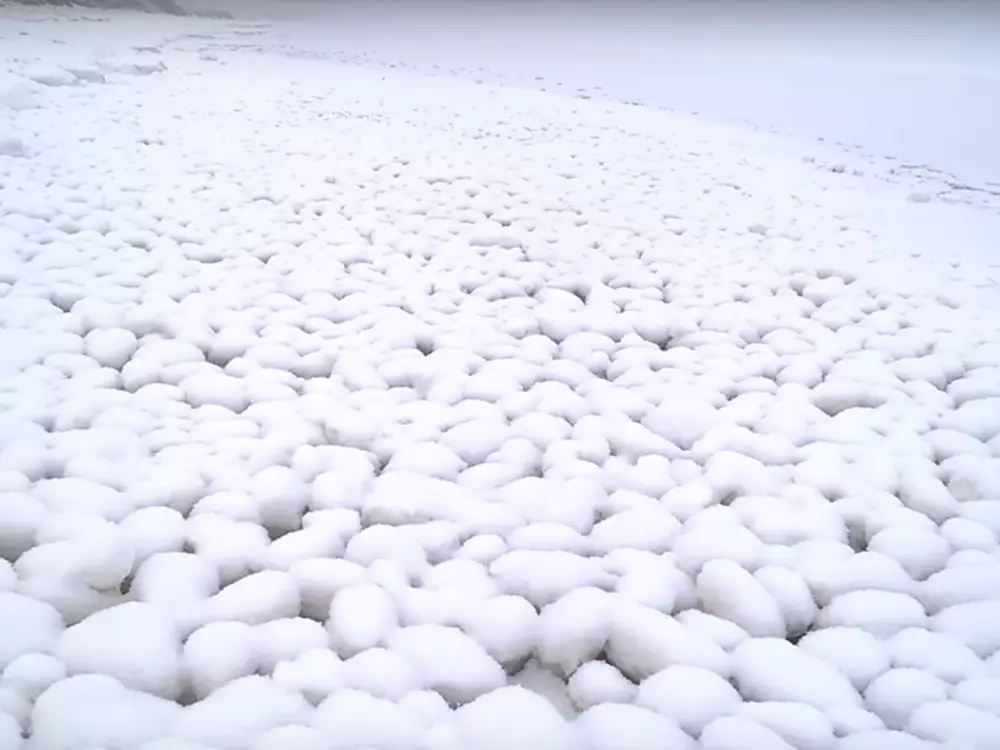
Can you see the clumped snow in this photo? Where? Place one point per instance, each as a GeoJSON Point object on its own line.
{"type": "Point", "coordinates": [345, 409]}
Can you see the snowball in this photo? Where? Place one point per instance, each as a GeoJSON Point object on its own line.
{"type": "Point", "coordinates": [345, 520]}
{"type": "Point", "coordinates": [426, 707]}
{"type": "Point", "coordinates": [657, 585]}
{"type": "Point", "coordinates": [286, 638]}
{"type": "Point", "coordinates": [110, 347]}
{"type": "Point", "coordinates": [430, 459]}
{"type": "Point", "coordinates": [132, 642]}
{"type": "Point", "coordinates": [449, 661]}
{"type": "Point", "coordinates": [154, 530]}
{"type": "Point", "coordinates": [856, 653]}
{"type": "Point", "coordinates": [260, 597]}
{"type": "Point", "coordinates": [218, 653]}
{"type": "Point", "coordinates": [215, 389]}
{"type": "Point", "coordinates": [597, 682]}
{"type": "Point", "coordinates": [696, 546]}
{"type": "Point", "coordinates": [282, 497]}
{"type": "Point", "coordinates": [739, 733]}
{"type": "Point", "coordinates": [74, 713]}
{"type": "Point", "coordinates": [882, 613]}
{"type": "Point", "coordinates": [573, 630]}
{"type": "Point", "coordinates": [683, 423]}
{"type": "Point", "coordinates": [829, 575]}
{"type": "Point", "coordinates": [74, 601]}
{"type": "Point", "coordinates": [692, 696]}
{"type": "Point", "coordinates": [726, 634]}
{"type": "Point", "coordinates": [351, 719]}
{"type": "Point", "coordinates": [464, 576]}
{"type": "Point", "coordinates": [76, 495]}
{"type": "Point", "coordinates": [20, 517]}
{"type": "Point", "coordinates": [983, 694]}
{"type": "Point", "coordinates": [769, 669]}
{"type": "Point", "coordinates": [949, 721]}
{"type": "Point", "coordinates": [728, 591]}
{"type": "Point", "coordinates": [920, 552]}
{"type": "Point", "coordinates": [235, 548]}
{"type": "Point", "coordinates": [317, 541]}
{"type": "Point", "coordinates": [343, 487]}
{"type": "Point", "coordinates": [650, 529]}
{"type": "Point", "coordinates": [973, 623]}
{"type": "Point", "coordinates": [611, 726]}
{"type": "Point", "coordinates": [959, 585]}
{"type": "Point", "coordinates": [962, 533]}
{"type": "Point", "coordinates": [800, 725]}
{"type": "Point", "coordinates": [643, 642]}
{"type": "Point", "coordinates": [381, 673]}
{"type": "Point", "coordinates": [101, 559]}
{"type": "Point", "coordinates": [687, 500]}
{"type": "Point", "coordinates": [381, 542]}
{"type": "Point", "coordinates": [506, 626]}
{"type": "Point", "coordinates": [542, 577]}
{"type": "Point", "coordinates": [237, 713]}
{"type": "Point", "coordinates": [512, 717]}
{"type": "Point", "coordinates": [32, 674]}
{"type": "Point", "coordinates": [538, 679]}
{"type": "Point", "coordinates": [537, 500]}
{"type": "Point", "coordinates": [175, 579]}
{"type": "Point", "coordinates": [972, 478]}
{"type": "Point", "coordinates": [234, 506]}
{"type": "Point", "coordinates": [320, 579]}
{"type": "Point", "coordinates": [27, 626]}
{"type": "Point", "coordinates": [925, 493]}
{"type": "Point", "coordinates": [848, 720]}
{"type": "Point", "coordinates": [361, 617]}
{"type": "Point", "coordinates": [895, 694]}
{"type": "Point", "coordinates": [792, 595]}
{"type": "Point", "coordinates": [940, 654]}
{"type": "Point", "coordinates": [483, 548]}
{"type": "Point", "coordinates": [315, 674]}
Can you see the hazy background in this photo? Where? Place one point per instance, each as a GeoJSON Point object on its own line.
{"type": "Point", "coordinates": [917, 80]}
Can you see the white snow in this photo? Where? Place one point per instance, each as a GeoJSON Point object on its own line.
{"type": "Point", "coordinates": [352, 718]}
{"type": "Point", "coordinates": [798, 724]}
{"type": "Point", "coordinates": [596, 683]}
{"type": "Point", "coordinates": [449, 661]}
{"type": "Point", "coordinates": [737, 733]}
{"type": "Point", "coordinates": [131, 642]}
{"type": "Point", "coordinates": [730, 592]}
{"type": "Point", "coordinates": [691, 696]}
{"type": "Point", "coordinates": [399, 386]}
{"type": "Point", "coordinates": [770, 669]}
{"type": "Point", "coordinates": [858, 654]}
{"type": "Point", "coordinates": [896, 694]}
{"type": "Point", "coordinates": [611, 725]}
{"type": "Point", "coordinates": [218, 653]}
{"type": "Point", "coordinates": [574, 630]}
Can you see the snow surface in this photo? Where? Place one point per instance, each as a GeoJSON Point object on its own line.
{"type": "Point", "coordinates": [350, 408]}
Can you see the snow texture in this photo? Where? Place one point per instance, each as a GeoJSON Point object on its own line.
{"type": "Point", "coordinates": [354, 399]}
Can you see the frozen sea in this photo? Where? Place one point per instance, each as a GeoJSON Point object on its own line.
{"type": "Point", "coordinates": [500, 378]}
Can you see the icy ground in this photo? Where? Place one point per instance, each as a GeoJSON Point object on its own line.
{"type": "Point", "coordinates": [348, 409]}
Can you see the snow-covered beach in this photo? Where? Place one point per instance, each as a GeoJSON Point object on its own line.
{"type": "Point", "coordinates": [352, 402]}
